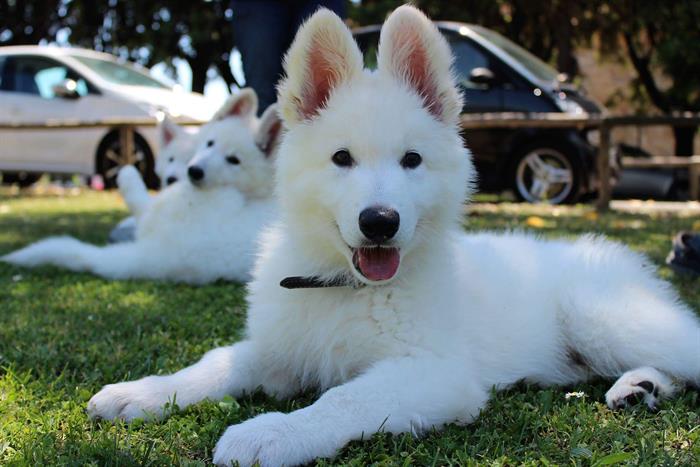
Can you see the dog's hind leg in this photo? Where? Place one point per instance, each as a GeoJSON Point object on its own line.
{"type": "Point", "coordinates": [224, 371]}
{"type": "Point", "coordinates": [133, 190]}
{"type": "Point", "coordinates": [66, 252]}
{"type": "Point", "coordinates": [623, 322]}
{"type": "Point", "coordinates": [118, 261]}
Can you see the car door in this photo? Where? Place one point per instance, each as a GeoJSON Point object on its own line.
{"type": "Point", "coordinates": [27, 96]}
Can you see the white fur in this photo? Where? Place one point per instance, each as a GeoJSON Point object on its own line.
{"type": "Point", "coordinates": [463, 314]}
{"type": "Point", "coordinates": [177, 147]}
{"type": "Point", "coordinates": [187, 233]}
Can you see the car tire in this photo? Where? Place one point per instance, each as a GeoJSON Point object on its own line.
{"type": "Point", "coordinates": [547, 172]}
{"type": "Point", "coordinates": [109, 160]}
{"type": "Point", "coordinates": [23, 179]}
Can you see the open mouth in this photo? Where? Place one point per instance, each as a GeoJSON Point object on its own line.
{"type": "Point", "coordinates": [376, 263]}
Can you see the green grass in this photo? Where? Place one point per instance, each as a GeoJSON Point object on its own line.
{"type": "Point", "coordinates": [63, 335]}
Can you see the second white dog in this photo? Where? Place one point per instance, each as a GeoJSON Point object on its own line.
{"type": "Point", "coordinates": [196, 231]}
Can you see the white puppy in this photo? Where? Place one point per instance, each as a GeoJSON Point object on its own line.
{"type": "Point", "coordinates": [403, 320]}
{"type": "Point", "coordinates": [196, 231]}
{"type": "Point", "coordinates": [177, 146]}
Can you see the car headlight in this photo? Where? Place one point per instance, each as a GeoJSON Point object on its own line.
{"type": "Point", "coordinates": [570, 107]}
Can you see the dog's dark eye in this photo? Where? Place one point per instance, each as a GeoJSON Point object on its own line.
{"type": "Point", "coordinates": [233, 160]}
{"type": "Point", "coordinates": [342, 158]}
{"type": "Point", "coordinates": [171, 159]}
{"type": "Point", "coordinates": [411, 160]}
{"type": "Point", "coordinates": [210, 143]}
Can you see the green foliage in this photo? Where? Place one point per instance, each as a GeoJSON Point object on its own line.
{"type": "Point", "coordinates": [63, 335]}
{"type": "Point", "coordinates": [147, 32]}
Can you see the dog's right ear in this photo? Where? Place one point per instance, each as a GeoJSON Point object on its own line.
{"type": "Point", "coordinates": [168, 131]}
{"type": "Point", "coordinates": [269, 132]}
{"type": "Point", "coordinates": [322, 57]}
{"type": "Point", "coordinates": [242, 105]}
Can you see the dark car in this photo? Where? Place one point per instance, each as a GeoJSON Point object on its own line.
{"type": "Point", "coordinates": [496, 75]}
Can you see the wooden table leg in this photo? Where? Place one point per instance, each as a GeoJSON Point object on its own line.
{"type": "Point", "coordinates": [126, 145]}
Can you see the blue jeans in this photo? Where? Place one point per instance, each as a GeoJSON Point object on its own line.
{"type": "Point", "coordinates": [263, 31]}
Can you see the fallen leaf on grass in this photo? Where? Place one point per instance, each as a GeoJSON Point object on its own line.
{"type": "Point", "coordinates": [591, 216]}
{"type": "Point", "coordinates": [635, 224]}
{"type": "Point", "coordinates": [535, 222]}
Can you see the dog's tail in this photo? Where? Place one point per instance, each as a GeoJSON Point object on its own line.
{"type": "Point", "coordinates": [118, 261]}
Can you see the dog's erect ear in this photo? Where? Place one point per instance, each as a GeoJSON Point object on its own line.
{"type": "Point", "coordinates": [269, 132]}
{"type": "Point", "coordinates": [412, 50]}
{"type": "Point", "coordinates": [322, 57]}
{"type": "Point", "coordinates": [243, 105]}
{"type": "Point", "coordinates": [168, 131]}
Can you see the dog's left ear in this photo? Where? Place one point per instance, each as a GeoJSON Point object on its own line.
{"type": "Point", "coordinates": [412, 51]}
{"type": "Point", "coordinates": [322, 57]}
{"type": "Point", "coordinates": [242, 105]}
{"type": "Point", "coordinates": [168, 131]}
{"type": "Point", "coordinates": [269, 132]}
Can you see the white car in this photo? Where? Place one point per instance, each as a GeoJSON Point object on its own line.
{"type": "Point", "coordinates": [45, 83]}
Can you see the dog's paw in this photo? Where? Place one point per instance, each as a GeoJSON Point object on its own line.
{"type": "Point", "coordinates": [646, 385]}
{"type": "Point", "coordinates": [128, 177]}
{"type": "Point", "coordinates": [129, 401]}
{"type": "Point", "coordinates": [270, 439]}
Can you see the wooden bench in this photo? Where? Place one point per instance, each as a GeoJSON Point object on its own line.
{"type": "Point", "coordinates": [692, 163]}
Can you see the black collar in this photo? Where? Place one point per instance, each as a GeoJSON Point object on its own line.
{"type": "Point", "coordinates": [314, 282]}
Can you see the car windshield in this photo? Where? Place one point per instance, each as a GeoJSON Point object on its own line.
{"type": "Point", "coordinates": [533, 64]}
{"type": "Point", "coordinates": [118, 73]}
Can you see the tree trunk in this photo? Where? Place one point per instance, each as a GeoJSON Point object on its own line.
{"type": "Point", "coordinates": [684, 136]}
{"type": "Point", "coordinates": [563, 34]}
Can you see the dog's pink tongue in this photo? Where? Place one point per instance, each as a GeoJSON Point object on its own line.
{"type": "Point", "coordinates": [378, 264]}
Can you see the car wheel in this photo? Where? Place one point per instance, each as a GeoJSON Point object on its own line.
{"type": "Point", "coordinates": [110, 160]}
{"type": "Point", "coordinates": [547, 174]}
{"type": "Point", "coordinates": [23, 179]}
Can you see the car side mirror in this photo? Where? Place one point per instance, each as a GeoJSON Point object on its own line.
{"type": "Point", "coordinates": [66, 89]}
{"type": "Point", "coordinates": [481, 75]}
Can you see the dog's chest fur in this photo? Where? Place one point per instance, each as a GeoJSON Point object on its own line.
{"type": "Point", "coordinates": [327, 336]}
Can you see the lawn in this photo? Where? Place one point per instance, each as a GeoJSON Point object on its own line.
{"type": "Point", "coordinates": [63, 335]}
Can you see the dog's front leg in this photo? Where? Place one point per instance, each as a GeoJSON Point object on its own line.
{"type": "Point", "coordinates": [133, 190]}
{"type": "Point", "coordinates": [226, 370]}
{"type": "Point", "coordinates": [401, 395]}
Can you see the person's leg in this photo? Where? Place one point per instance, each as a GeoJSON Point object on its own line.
{"type": "Point", "coordinates": [261, 31]}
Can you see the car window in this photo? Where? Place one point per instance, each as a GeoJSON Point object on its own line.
{"type": "Point", "coordinates": [468, 57]}
{"type": "Point", "coordinates": [119, 73]}
{"type": "Point", "coordinates": [536, 66]}
{"type": "Point", "coordinates": [37, 76]}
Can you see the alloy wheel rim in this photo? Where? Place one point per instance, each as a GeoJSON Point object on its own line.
{"type": "Point", "coordinates": [544, 176]}
{"type": "Point", "coordinates": [114, 160]}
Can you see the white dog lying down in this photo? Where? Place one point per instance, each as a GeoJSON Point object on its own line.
{"type": "Point", "coordinates": [196, 231]}
{"type": "Point", "coordinates": [177, 146]}
{"type": "Point", "coordinates": [402, 319]}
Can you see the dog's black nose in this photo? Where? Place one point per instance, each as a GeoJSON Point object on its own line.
{"type": "Point", "coordinates": [379, 223]}
{"type": "Point", "coordinates": [195, 173]}
{"type": "Point", "coordinates": [170, 180]}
